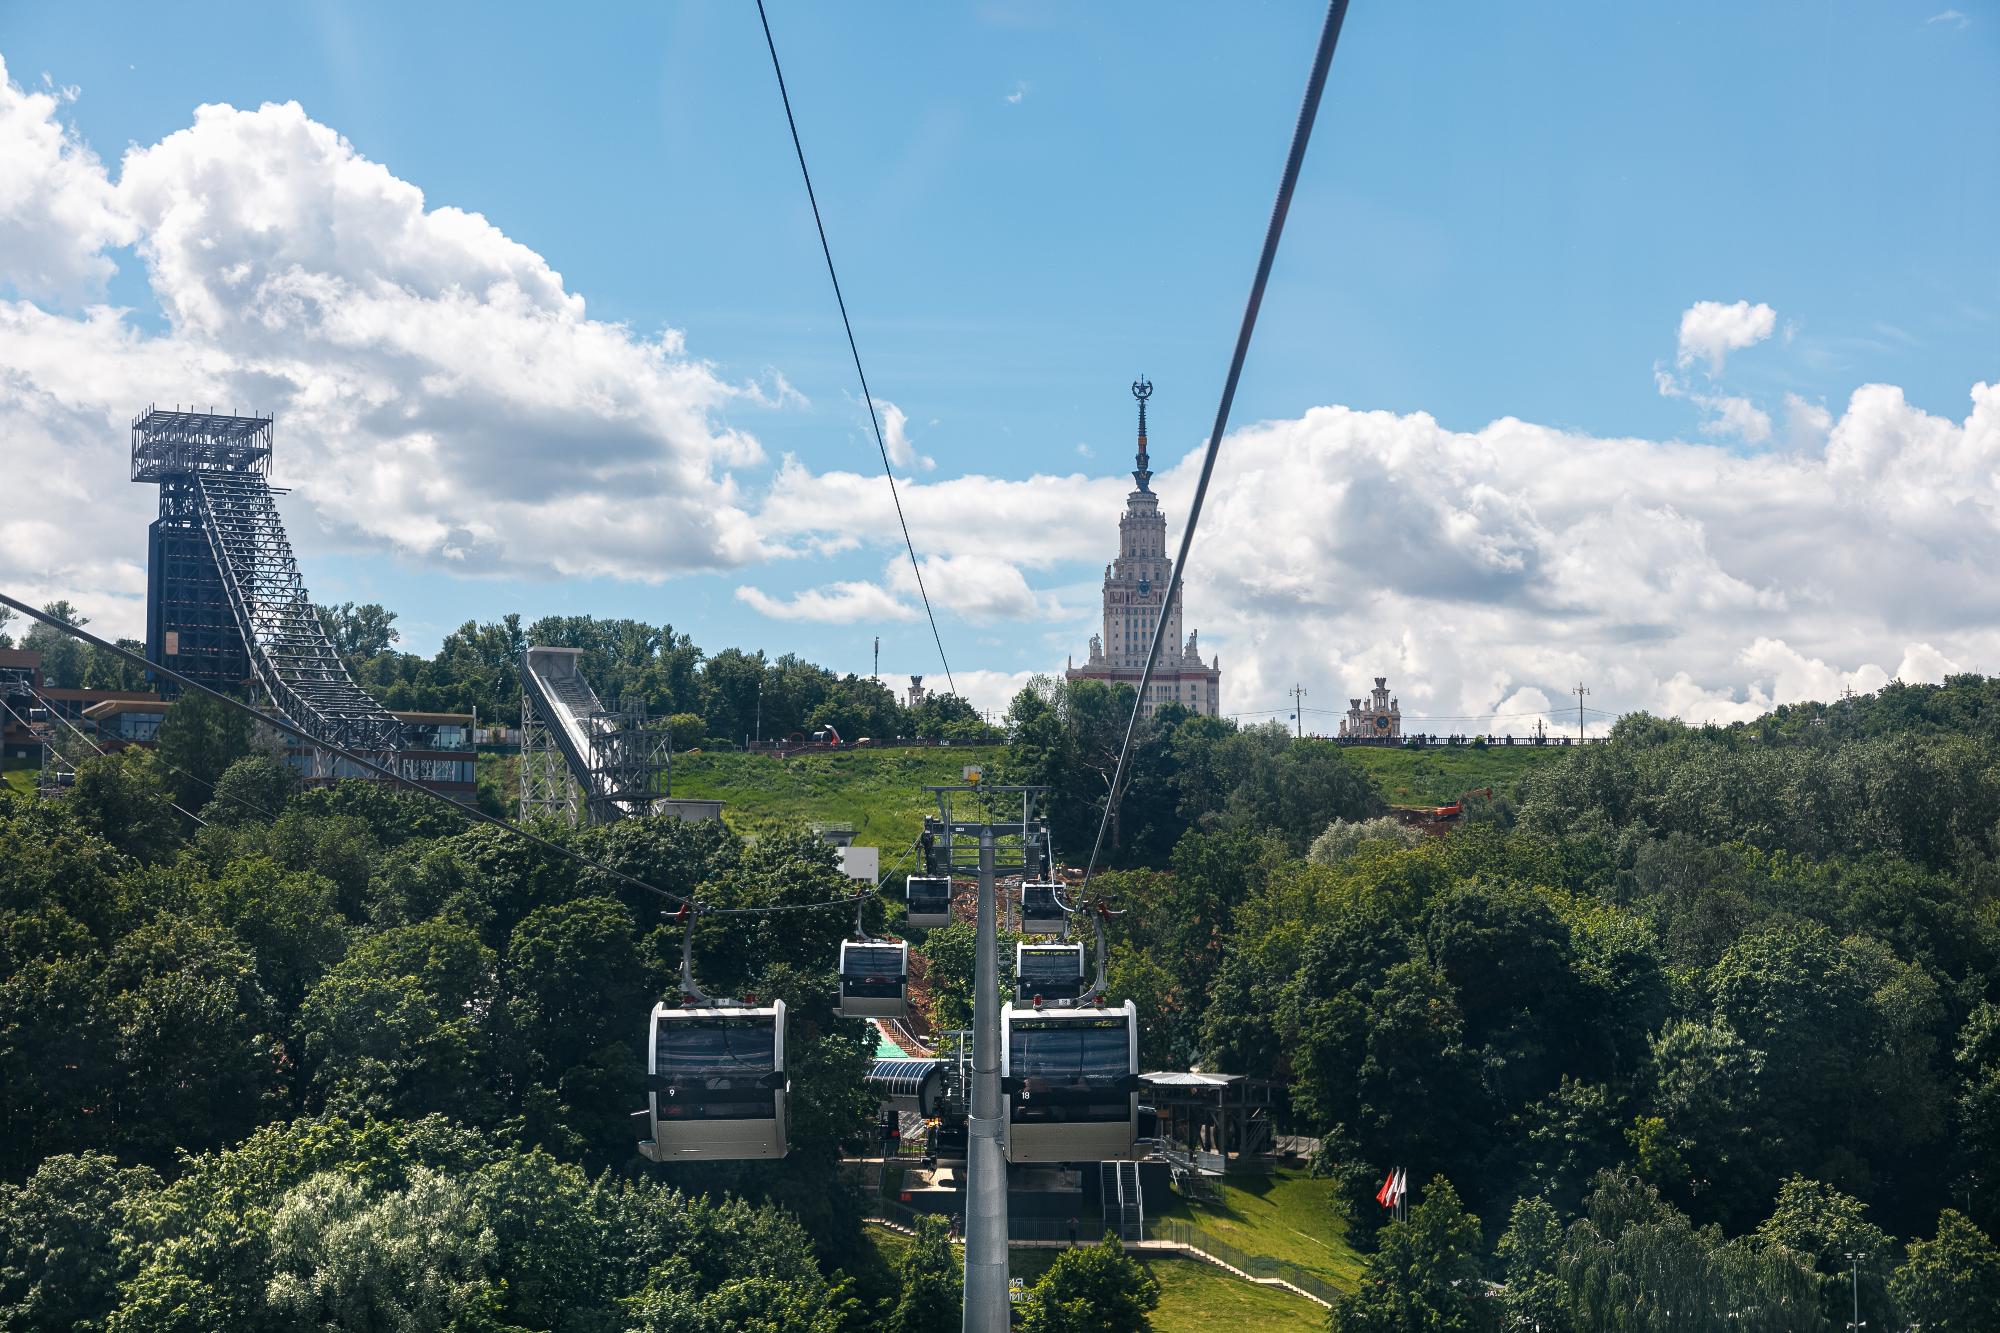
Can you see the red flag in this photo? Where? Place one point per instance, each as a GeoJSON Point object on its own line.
{"type": "Point", "coordinates": [1386, 1196]}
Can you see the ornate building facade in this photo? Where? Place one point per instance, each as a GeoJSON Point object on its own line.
{"type": "Point", "coordinates": [1376, 718]}
{"type": "Point", "coordinates": [1135, 589]}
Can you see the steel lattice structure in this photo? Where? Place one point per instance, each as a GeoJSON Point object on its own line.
{"type": "Point", "coordinates": [580, 760]}
{"type": "Point", "coordinates": [226, 601]}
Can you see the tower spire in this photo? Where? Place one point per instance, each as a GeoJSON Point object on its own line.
{"type": "Point", "coordinates": [1142, 389]}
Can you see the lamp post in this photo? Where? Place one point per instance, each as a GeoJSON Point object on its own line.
{"type": "Point", "coordinates": [1855, 1257]}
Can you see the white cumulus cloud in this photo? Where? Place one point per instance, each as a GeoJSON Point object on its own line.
{"type": "Point", "coordinates": [1711, 330]}
{"type": "Point", "coordinates": [58, 212]}
{"type": "Point", "coordinates": [847, 603]}
{"type": "Point", "coordinates": [438, 391]}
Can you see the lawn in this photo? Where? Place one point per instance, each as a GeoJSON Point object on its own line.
{"type": "Point", "coordinates": [1193, 1295]}
{"type": "Point", "coordinates": [1438, 775]}
{"type": "Point", "coordinates": [18, 775]}
{"type": "Point", "coordinates": [878, 792]}
{"type": "Point", "coordinates": [1287, 1216]}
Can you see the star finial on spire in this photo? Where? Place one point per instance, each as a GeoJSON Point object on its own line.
{"type": "Point", "coordinates": [1142, 389]}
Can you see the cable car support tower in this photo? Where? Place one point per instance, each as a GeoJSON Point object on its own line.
{"type": "Point", "coordinates": [992, 849]}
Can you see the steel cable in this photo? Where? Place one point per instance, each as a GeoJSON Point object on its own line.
{"type": "Point", "coordinates": [854, 348]}
{"type": "Point", "coordinates": [1336, 13]}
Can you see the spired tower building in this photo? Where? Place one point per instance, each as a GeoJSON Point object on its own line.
{"type": "Point", "coordinates": [1135, 589]}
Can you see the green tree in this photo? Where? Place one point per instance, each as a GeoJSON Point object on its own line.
{"type": "Point", "coordinates": [65, 1244]}
{"type": "Point", "coordinates": [1819, 1223]}
{"type": "Point", "coordinates": [64, 659]}
{"type": "Point", "coordinates": [395, 1027]}
{"type": "Point", "coordinates": [122, 799]}
{"type": "Point", "coordinates": [288, 920]}
{"type": "Point", "coordinates": [1977, 1112]}
{"type": "Point", "coordinates": [688, 730]}
{"type": "Point", "coordinates": [931, 1277]}
{"type": "Point", "coordinates": [1342, 837]}
{"type": "Point", "coordinates": [254, 789]}
{"type": "Point", "coordinates": [359, 632]}
{"type": "Point", "coordinates": [347, 1258]}
{"type": "Point", "coordinates": [1531, 1250]}
{"type": "Point", "coordinates": [56, 1047]}
{"type": "Point", "coordinates": [197, 1053]}
{"type": "Point", "coordinates": [1951, 1282]}
{"type": "Point", "coordinates": [1424, 1274]}
{"type": "Point", "coordinates": [575, 992]}
{"type": "Point", "coordinates": [1092, 1289]}
{"type": "Point", "coordinates": [198, 740]}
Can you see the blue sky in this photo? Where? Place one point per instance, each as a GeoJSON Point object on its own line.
{"type": "Point", "coordinates": [1505, 214]}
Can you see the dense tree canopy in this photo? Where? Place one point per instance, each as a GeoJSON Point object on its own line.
{"type": "Point", "coordinates": [1689, 1018]}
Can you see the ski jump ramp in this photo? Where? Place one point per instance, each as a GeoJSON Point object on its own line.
{"type": "Point", "coordinates": [580, 760]}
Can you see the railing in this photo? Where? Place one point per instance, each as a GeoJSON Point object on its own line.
{"type": "Point", "coordinates": [1256, 1265]}
{"type": "Point", "coordinates": [1182, 1235]}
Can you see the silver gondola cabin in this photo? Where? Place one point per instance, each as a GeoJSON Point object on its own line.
{"type": "Point", "coordinates": [1041, 913]}
{"type": "Point", "coordinates": [716, 1085]}
{"type": "Point", "coordinates": [1072, 1077]}
{"type": "Point", "coordinates": [1054, 972]}
{"type": "Point", "coordinates": [929, 899]}
{"type": "Point", "coordinates": [874, 979]}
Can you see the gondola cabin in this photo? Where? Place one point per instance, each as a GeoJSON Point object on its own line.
{"type": "Point", "coordinates": [1041, 914]}
{"type": "Point", "coordinates": [929, 900]}
{"type": "Point", "coordinates": [1073, 1083]}
{"type": "Point", "coordinates": [874, 979]}
{"type": "Point", "coordinates": [1052, 971]}
{"type": "Point", "coordinates": [716, 1085]}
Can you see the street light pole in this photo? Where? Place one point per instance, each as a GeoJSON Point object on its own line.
{"type": "Point", "coordinates": [986, 1296]}
{"type": "Point", "coordinates": [1855, 1257]}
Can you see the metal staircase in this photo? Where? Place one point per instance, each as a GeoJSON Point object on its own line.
{"type": "Point", "coordinates": [213, 473]}
{"type": "Point", "coordinates": [1123, 1199]}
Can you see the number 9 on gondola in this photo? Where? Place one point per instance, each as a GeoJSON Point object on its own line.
{"type": "Point", "coordinates": [715, 1084]}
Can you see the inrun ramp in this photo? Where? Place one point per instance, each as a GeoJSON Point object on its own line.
{"type": "Point", "coordinates": [580, 760]}
{"type": "Point", "coordinates": [225, 602]}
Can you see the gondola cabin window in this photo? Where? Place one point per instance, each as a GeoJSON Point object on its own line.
{"type": "Point", "coordinates": [717, 1068]}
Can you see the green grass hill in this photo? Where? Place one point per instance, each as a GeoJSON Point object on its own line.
{"type": "Point", "coordinates": [878, 792]}
{"type": "Point", "coordinates": [1438, 775]}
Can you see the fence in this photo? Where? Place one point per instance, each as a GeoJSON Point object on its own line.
{"type": "Point", "coordinates": [1179, 1234]}
{"type": "Point", "coordinates": [1256, 1265]}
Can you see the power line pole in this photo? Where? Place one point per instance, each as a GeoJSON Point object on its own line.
{"type": "Point", "coordinates": [1299, 711]}
{"type": "Point", "coordinates": [1579, 692]}
{"type": "Point", "coordinates": [878, 659]}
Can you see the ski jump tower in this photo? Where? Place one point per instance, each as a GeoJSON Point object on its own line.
{"type": "Point", "coordinates": [224, 601]}
{"type": "Point", "coordinates": [579, 759]}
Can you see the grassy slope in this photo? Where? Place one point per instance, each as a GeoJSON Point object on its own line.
{"type": "Point", "coordinates": [876, 791]}
{"type": "Point", "coordinates": [1194, 1296]}
{"type": "Point", "coordinates": [19, 775]}
{"type": "Point", "coordinates": [1287, 1215]}
{"type": "Point", "coordinates": [1439, 775]}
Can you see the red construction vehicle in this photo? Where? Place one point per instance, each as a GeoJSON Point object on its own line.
{"type": "Point", "coordinates": [1457, 807]}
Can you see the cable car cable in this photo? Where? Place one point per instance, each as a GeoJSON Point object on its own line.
{"type": "Point", "coordinates": [125, 744]}
{"type": "Point", "coordinates": [853, 347]}
{"type": "Point", "coordinates": [471, 814]}
{"type": "Point", "coordinates": [69, 763]}
{"type": "Point", "coordinates": [1336, 13]}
